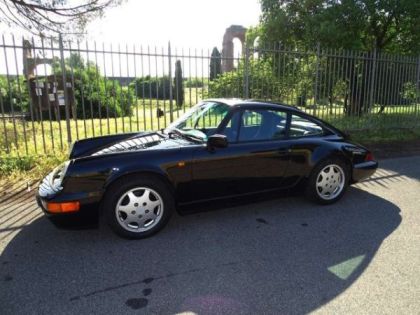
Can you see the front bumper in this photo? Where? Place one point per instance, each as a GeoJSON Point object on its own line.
{"type": "Point", "coordinates": [363, 170]}
{"type": "Point", "coordinates": [87, 215]}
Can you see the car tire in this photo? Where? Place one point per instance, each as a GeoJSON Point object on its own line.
{"type": "Point", "coordinates": [328, 181]}
{"type": "Point", "coordinates": [138, 207]}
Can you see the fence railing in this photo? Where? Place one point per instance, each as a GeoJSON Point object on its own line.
{"type": "Point", "coordinates": [53, 91]}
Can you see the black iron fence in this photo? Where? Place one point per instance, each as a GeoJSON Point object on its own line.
{"type": "Point", "coordinates": [53, 91]}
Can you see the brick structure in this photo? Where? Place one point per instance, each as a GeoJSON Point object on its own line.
{"type": "Point", "coordinates": [234, 31]}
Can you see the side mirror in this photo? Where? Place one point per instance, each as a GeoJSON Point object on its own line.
{"type": "Point", "coordinates": [217, 141]}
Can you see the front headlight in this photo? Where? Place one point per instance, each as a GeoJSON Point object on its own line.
{"type": "Point", "coordinates": [57, 176]}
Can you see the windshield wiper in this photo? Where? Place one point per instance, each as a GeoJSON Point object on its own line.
{"type": "Point", "coordinates": [183, 135]}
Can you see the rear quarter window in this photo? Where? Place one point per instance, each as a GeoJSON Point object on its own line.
{"type": "Point", "coordinates": [302, 127]}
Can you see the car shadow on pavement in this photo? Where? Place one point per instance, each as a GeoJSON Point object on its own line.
{"type": "Point", "coordinates": [283, 255]}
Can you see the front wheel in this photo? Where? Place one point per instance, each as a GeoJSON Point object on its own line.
{"type": "Point", "coordinates": [138, 207]}
{"type": "Point", "coordinates": [328, 181]}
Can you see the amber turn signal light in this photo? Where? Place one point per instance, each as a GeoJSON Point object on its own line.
{"type": "Point", "coordinates": [63, 207]}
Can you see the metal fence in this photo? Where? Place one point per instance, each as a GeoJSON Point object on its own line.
{"type": "Point", "coordinates": [54, 91]}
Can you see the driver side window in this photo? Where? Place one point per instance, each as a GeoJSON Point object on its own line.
{"type": "Point", "coordinates": [232, 127]}
{"type": "Point", "coordinates": [260, 125]}
{"type": "Point", "coordinates": [211, 118]}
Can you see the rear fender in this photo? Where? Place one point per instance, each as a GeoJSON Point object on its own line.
{"type": "Point", "coordinates": [321, 154]}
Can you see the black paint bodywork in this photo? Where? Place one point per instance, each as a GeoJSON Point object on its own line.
{"type": "Point", "coordinates": [194, 172]}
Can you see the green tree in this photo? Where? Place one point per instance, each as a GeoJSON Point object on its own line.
{"type": "Point", "coordinates": [94, 95]}
{"type": "Point", "coordinates": [179, 84]}
{"type": "Point", "coordinates": [387, 25]}
{"type": "Point", "coordinates": [215, 64]}
{"type": "Point", "coordinates": [370, 25]}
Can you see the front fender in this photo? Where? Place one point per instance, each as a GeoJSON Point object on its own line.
{"type": "Point", "coordinates": [94, 174]}
{"type": "Point", "coordinates": [117, 174]}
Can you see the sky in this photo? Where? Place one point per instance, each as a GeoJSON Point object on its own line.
{"type": "Point", "coordinates": [195, 24]}
{"type": "Point", "coordinates": [186, 23]}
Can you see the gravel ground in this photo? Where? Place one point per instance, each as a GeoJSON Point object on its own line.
{"type": "Point", "coordinates": [273, 256]}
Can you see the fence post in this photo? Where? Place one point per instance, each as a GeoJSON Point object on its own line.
{"type": "Point", "coordinates": [418, 85]}
{"type": "Point", "coordinates": [171, 98]}
{"type": "Point", "coordinates": [372, 81]}
{"type": "Point", "coordinates": [318, 52]}
{"type": "Point", "coordinates": [246, 74]}
{"type": "Point", "coordinates": [66, 97]}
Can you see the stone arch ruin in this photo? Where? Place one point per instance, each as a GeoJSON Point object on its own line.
{"type": "Point", "coordinates": [234, 31]}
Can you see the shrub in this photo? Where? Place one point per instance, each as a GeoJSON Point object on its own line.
{"type": "Point", "coordinates": [12, 162]}
{"type": "Point", "coordinates": [94, 95]}
{"type": "Point", "coordinates": [195, 83]}
{"type": "Point", "coordinates": [262, 82]}
{"type": "Point", "coordinates": [410, 92]}
{"type": "Point", "coordinates": [16, 93]}
{"type": "Point", "coordinates": [151, 87]}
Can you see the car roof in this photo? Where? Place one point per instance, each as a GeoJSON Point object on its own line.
{"type": "Point", "coordinates": [251, 102]}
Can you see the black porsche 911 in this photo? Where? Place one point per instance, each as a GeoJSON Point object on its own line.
{"type": "Point", "coordinates": [218, 149]}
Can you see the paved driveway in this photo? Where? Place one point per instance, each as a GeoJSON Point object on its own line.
{"type": "Point", "coordinates": [283, 255]}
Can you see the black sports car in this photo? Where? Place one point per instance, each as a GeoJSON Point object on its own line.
{"type": "Point", "coordinates": [220, 148]}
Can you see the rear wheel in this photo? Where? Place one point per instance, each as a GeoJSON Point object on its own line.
{"type": "Point", "coordinates": [328, 181]}
{"type": "Point", "coordinates": [138, 207]}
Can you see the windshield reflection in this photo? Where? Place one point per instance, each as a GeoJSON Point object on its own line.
{"type": "Point", "coordinates": [200, 122]}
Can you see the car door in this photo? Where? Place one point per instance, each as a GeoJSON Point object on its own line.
{"type": "Point", "coordinates": [254, 160]}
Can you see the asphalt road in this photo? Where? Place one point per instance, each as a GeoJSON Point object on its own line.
{"type": "Point", "coordinates": [277, 256]}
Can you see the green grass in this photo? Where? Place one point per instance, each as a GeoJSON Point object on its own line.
{"type": "Point", "coordinates": [47, 137]}
{"type": "Point", "coordinates": [385, 135]}
{"type": "Point", "coordinates": [39, 146]}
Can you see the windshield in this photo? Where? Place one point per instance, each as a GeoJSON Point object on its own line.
{"type": "Point", "coordinates": [201, 121]}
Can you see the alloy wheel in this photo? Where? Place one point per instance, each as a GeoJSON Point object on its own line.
{"type": "Point", "coordinates": [139, 209]}
{"type": "Point", "coordinates": [330, 182]}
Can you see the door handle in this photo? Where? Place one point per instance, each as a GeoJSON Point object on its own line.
{"type": "Point", "coordinates": [284, 151]}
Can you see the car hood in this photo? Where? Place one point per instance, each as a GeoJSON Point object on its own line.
{"type": "Point", "coordinates": [125, 143]}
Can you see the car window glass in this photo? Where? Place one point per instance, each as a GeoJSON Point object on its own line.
{"type": "Point", "coordinates": [232, 127]}
{"type": "Point", "coordinates": [211, 118]}
{"type": "Point", "coordinates": [204, 116]}
{"type": "Point", "coordinates": [257, 125]}
{"type": "Point", "coordinates": [302, 127]}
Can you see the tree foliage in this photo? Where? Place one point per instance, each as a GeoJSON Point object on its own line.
{"type": "Point", "coordinates": [388, 25]}
{"type": "Point", "coordinates": [13, 94]}
{"type": "Point", "coordinates": [372, 26]}
{"type": "Point", "coordinates": [261, 81]}
{"type": "Point", "coordinates": [94, 95]}
{"type": "Point", "coordinates": [57, 16]}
